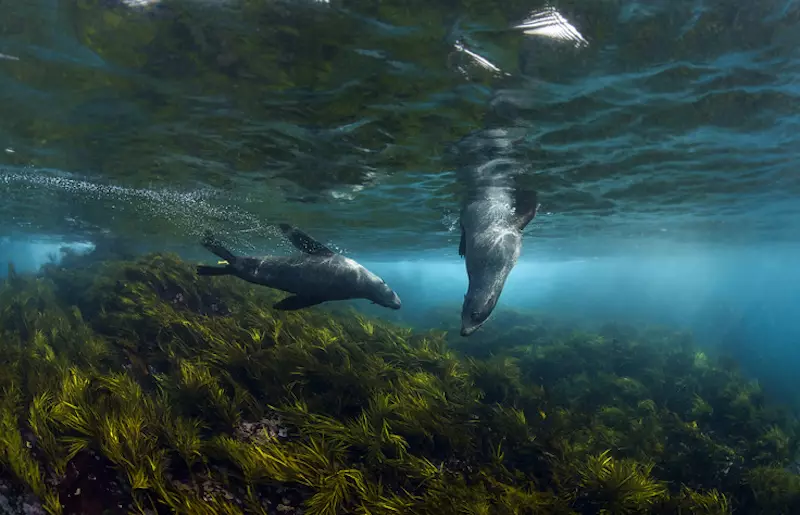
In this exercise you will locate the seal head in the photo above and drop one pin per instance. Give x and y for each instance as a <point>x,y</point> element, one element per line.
<point>491,243</point>
<point>384,296</point>
<point>487,277</point>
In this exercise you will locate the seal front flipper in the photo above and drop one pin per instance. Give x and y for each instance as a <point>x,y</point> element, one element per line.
<point>295,302</point>
<point>304,242</point>
<point>525,207</point>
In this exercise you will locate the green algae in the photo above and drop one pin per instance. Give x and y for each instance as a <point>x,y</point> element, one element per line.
<point>188,395</point>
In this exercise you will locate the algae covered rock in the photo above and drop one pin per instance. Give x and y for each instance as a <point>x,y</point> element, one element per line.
<point>135,386</point>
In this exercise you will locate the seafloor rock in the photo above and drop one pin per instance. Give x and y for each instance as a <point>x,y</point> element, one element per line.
<point>15,502</point>
<point>262,430</point>
<point>125,391</point>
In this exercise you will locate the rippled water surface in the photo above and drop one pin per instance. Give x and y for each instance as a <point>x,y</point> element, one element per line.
<point>674,120</point>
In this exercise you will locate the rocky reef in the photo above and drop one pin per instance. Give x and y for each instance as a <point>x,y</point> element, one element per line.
<point>135,386</point>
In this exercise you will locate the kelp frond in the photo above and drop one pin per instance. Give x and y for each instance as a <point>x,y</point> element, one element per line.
<point>183,435</point>
<point>336,491</point>
<point>711,502</point>
<point>620,486</point>
<point>16,456</point>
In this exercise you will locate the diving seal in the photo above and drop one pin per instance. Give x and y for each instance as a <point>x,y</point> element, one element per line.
<point>495,212</point>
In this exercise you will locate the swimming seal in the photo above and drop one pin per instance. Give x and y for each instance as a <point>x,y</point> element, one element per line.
<point>495,212</point>
<point>315,275</point>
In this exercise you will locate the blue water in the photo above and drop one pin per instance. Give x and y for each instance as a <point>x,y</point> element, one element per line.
<point>663,140</point>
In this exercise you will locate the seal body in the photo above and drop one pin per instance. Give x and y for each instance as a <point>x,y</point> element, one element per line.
<point>315,275</point>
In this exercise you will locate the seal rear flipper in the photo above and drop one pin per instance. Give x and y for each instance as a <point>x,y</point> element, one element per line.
<point>213,245</point>
<point>304,242</point>
<point>204,270</point>
<point>295,302</point>
<point>525,207</point>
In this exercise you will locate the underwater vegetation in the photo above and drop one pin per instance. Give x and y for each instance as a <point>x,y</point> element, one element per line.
<point>137,387</point>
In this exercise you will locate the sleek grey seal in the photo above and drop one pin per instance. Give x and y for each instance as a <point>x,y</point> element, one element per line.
<point>495,212</point>
<point>314,276</point>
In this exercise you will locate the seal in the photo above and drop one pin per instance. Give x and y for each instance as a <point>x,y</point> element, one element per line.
<point>495,212</point>
<point>315,275</point>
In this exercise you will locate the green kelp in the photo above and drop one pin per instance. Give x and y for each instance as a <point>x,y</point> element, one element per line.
<point>134,386</point>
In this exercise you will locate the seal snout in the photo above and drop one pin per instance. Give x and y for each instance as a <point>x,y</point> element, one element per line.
<point>473,323</point>
<point>395,302</point>
<point>468,330</point>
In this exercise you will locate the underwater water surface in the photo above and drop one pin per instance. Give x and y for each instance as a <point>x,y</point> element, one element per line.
<point>643,354</point>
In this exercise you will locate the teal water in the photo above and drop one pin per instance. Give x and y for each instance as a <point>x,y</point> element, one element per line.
<point>662,138</point>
